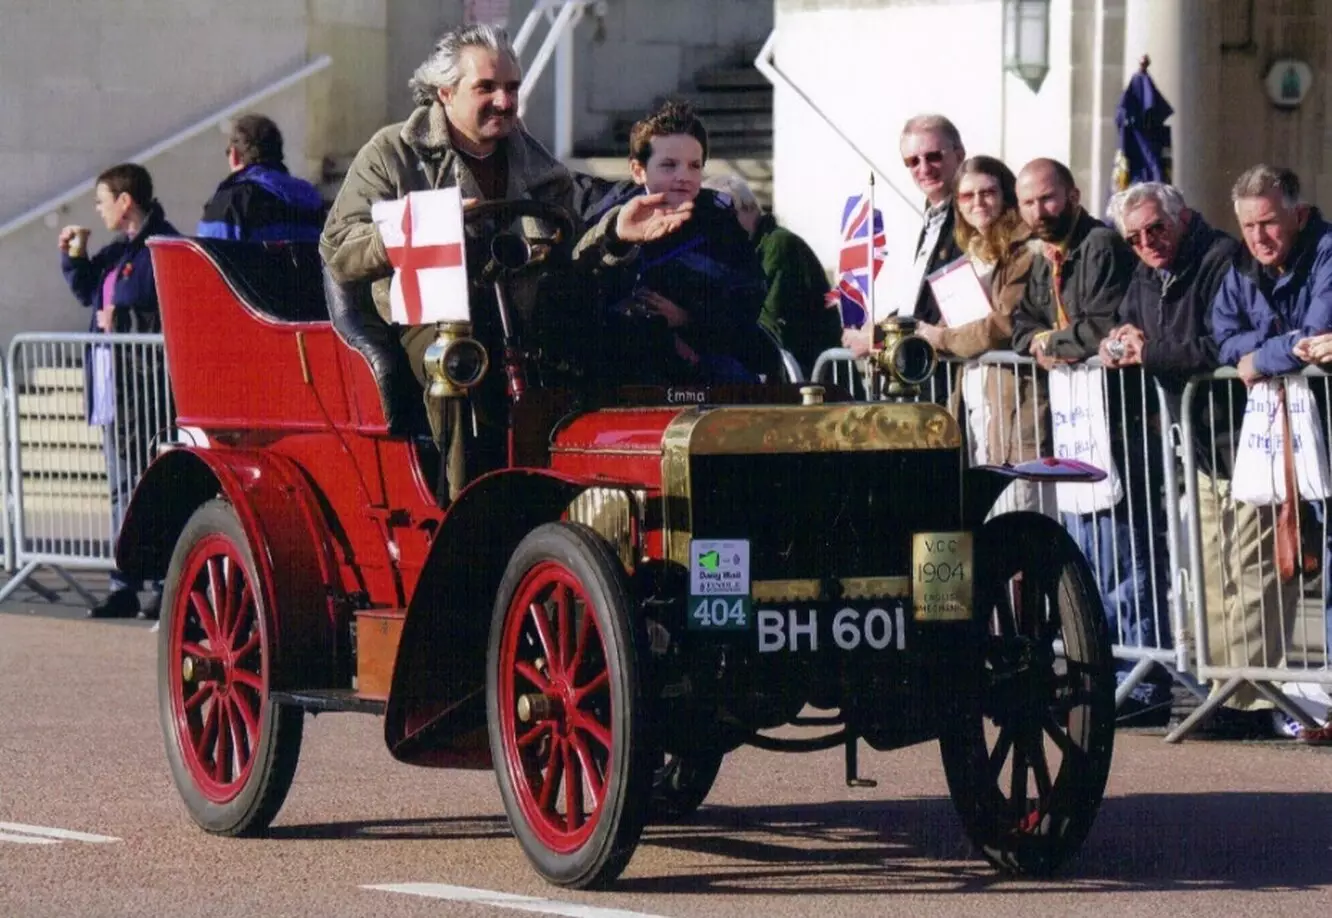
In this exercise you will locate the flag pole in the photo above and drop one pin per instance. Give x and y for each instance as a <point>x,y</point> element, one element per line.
<point>869,243</point>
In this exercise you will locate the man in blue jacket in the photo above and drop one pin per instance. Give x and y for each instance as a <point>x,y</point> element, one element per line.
<point>117,284</point>
<point>1277,294</point>
<point>260,201</point>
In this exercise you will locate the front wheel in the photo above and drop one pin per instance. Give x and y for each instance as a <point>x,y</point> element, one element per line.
<point>567,720</point>
<point>1027,759</point>
<point>231,750</point>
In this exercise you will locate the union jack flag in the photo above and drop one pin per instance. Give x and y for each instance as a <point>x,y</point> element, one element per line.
<point>851,295</point>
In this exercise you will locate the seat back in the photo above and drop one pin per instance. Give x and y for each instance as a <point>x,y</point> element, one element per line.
<point>279,280</point>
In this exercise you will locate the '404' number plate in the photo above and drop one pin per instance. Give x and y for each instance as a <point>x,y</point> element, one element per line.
<point>719,613</point>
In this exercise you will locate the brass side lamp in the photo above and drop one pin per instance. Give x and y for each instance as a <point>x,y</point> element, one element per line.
<point>455,362</point>
<point>907,359</point>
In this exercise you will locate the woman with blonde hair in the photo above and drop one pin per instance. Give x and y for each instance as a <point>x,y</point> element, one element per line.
<point>1004,409</point>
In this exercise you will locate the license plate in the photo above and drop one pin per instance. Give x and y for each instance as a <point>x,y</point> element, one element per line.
<point>942,577</point>
<point>824,628</point>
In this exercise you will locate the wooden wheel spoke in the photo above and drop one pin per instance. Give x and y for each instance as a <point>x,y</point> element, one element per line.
<point>251,723</point>
<point>586,626</point>
<point>234,588</point>
<point>250,646</point>
<point>573,789</point>
<point>1003,745</point>
<point>537,612</point>
<point>208,734</point>
<point>242,614</point>
<point>217,598</point>
<point>599,682</point>
<point>550,779</point>
<point>592,728</point>
<point>534,734</point>
<point>238,736</point>
<point>1018,785</point>
<point>1003,610</point>
<point>563,627</point>
<point>1040,767</point>
<point>207,620</point>
<point>532,675</point>
<point>221,750</point>
<point>248,679</point>
<point>1059,736</point>
<point>595,781</point>
<point>201,694</point>
<point>192,649</point>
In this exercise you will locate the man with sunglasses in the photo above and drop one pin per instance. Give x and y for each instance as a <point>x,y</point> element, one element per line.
<point>932,151</point>
<point>1166,329</point>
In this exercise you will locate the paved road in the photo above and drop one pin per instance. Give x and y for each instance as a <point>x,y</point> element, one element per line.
<point>1204,829</point>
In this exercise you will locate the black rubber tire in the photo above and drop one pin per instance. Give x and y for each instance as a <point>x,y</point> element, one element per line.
<point>681,784</point>
<point>274,756</point>
<point>1068,700</point>
<point>617,822</point>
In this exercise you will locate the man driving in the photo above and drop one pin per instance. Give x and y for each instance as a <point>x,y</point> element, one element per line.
<point>464,133</point>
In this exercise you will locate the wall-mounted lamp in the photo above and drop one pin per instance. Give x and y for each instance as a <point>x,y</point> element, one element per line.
<point>1027,40</point>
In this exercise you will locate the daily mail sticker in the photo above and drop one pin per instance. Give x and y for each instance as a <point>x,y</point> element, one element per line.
<point>719,567</point>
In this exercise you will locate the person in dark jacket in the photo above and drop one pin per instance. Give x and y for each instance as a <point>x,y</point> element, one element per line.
<point>795,308</point>
<point>1277,295</point>
<point>117,284</point>
<point>684,307</point>
<point>260,201</point>
<point>1167,330</point>
<point>932,152</point>
<point>1070,304</point>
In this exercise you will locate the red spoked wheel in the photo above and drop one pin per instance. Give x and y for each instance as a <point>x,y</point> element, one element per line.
<point>232,751</point>
<point>566,716</point>
<point>1027,758</point>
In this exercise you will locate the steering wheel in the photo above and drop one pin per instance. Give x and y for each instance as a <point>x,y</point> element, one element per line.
<point>513,251</point>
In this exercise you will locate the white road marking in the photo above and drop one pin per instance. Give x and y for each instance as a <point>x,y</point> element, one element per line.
<point>27,839</point>
<point>507,900</point>
<point>51,836</point>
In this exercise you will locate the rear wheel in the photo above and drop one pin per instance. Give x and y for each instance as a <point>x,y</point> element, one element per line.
<point>682,783</point>
<point>231,750</point>
<point>566,716</point>
<point>1028,759</point>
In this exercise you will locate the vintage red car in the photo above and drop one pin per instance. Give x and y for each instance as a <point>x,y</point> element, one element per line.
<point>651,578</point>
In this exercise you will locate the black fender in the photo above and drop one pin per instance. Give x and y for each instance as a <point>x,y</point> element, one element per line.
<point>289,538</point>
<point>983,484</point>
<point>436,712</point>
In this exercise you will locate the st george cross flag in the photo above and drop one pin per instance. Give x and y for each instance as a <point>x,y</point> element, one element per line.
<point>1144,136</point>
<point>851,294</point>
<point>424,237</point>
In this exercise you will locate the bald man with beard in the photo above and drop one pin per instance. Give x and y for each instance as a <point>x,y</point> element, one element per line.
<point>1071,303</point>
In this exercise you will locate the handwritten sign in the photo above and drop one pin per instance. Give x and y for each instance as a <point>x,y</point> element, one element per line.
<point>1081,432</point>
<point>1260,460</point>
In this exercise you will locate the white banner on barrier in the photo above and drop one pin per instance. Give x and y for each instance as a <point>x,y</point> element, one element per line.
<point>1260,462</point>
<point>1082,432</point>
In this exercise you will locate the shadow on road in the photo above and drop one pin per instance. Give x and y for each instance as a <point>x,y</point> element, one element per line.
<point>1165,842</point>
<point>461,828</point>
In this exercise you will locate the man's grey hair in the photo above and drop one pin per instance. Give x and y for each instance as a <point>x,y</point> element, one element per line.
<point>1167,197</point>
<point>1262,180</point>
<point>441,69</point>
<point>937,124</point>
<point>742,196</point>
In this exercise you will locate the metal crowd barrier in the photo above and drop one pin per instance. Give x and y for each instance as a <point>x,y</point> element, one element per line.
<point>69,480</point>
<point>1258,637</point>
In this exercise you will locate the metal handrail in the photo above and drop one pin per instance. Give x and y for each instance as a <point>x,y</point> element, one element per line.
<point>766,64</point>
<point>558,42</point>
<point>54,204</point>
